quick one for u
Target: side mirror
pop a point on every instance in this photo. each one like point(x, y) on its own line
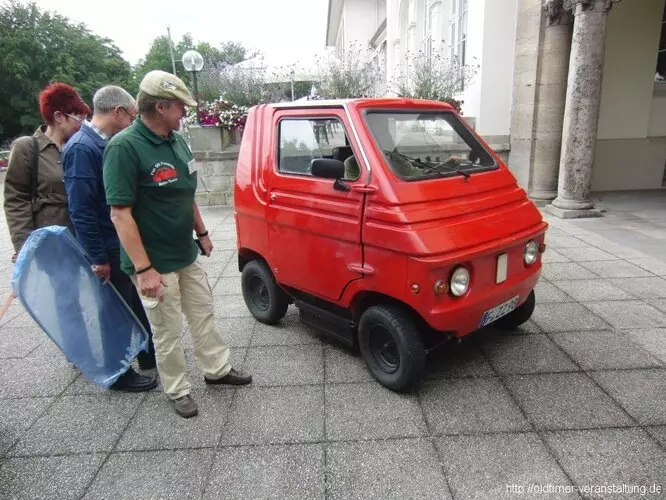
point(327, 168)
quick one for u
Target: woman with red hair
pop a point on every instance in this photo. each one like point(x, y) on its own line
point(34, 184)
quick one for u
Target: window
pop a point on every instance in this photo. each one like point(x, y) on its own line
point(427, 32)
point(421, 145)
point(381, 11)
point(661, 57)
point(304, 139)
point(430, 27)
point(458, 31)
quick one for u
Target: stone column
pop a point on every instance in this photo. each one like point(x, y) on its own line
point(550, 100)
point(543, 42)
point(581, 114)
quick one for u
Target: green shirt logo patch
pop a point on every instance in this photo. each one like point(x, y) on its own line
point(164, 173)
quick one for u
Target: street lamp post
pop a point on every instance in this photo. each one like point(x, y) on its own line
point(193, 61)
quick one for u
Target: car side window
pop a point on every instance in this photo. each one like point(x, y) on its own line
point(304, 139)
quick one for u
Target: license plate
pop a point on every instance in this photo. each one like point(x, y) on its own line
point(498, 311)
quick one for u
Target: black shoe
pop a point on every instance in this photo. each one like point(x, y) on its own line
point(131, 381)
point(185, 406)
point(231, 378)
point(146, 361)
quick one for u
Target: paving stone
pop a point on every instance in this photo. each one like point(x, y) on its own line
point(231, 306)
point(654, 266)
point(155, 474)
point(546, 293)
point(565, 401)
point(615, 269)
point(630, 314)
point(370, 411)
point(237, 332)
point(34, 377)
point(659, 433)
point(658, 303)
point(285, 472)
point(527, 354)
point(566, 318)
point(227, 286)
point(558, 271)
point(286, 365)
point(344, 365)
point(47, 478)
point(593, 290)
point(639, 392)
point(454, 361)
point(610, 458)
point(73, 424)
point(156, 426)
point(559, 242)
point(276, 415)
point(456, 406)
point(604, 350)
point(644, 288)
point(586, 254)
point(290, 331)
point(653, 341)
point(498, 466)
point(19, 342)
point(551, 256)
point(16, 416)
point(391, 469)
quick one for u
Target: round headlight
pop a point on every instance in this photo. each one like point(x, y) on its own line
point(531, 252)
point(459, 281)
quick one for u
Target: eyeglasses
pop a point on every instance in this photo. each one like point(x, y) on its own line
point(132, 116)
point(74, 117)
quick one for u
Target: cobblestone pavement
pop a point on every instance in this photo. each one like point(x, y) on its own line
point(575, 398)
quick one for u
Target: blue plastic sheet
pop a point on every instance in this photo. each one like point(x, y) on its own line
point(87, 319)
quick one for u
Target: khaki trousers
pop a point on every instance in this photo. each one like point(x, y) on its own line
point(187, 292)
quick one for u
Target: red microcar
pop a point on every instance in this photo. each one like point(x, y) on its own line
point(388, 222)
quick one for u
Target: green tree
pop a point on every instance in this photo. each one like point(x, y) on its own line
point(215, 59)
point(40, 47)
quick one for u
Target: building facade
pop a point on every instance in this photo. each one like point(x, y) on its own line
point(575, 86)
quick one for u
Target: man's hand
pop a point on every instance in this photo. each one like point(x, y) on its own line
point(151, 284)
point(102, 271)
point(207, 245)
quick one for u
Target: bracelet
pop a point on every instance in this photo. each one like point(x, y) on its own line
point(201, 235)
point(147, 268)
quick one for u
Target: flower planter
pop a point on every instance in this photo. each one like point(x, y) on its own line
point(213, 139)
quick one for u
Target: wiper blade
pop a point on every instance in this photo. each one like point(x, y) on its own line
point(424, 165)
point(415, 161)
point(451, 168)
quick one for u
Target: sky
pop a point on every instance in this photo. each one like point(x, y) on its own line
point(285, 31)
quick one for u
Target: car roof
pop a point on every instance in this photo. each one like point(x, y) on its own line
point(366, 102)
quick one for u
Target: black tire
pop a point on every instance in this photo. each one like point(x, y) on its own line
point(391, 345)
point(263, 297)
point(518, 316)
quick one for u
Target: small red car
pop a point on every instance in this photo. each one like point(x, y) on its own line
point(388, 222)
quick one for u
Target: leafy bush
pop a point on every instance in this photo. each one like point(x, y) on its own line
point(437, 78)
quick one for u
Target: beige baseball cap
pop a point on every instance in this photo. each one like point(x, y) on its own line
point(165, 85)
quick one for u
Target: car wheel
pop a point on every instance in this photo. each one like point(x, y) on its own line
point(518, 316)
point(264, 298)
point(392, 347)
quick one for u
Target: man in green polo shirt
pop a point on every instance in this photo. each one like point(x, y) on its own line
point(150, 181)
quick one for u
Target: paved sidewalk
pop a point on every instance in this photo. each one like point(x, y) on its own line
point(576, 397)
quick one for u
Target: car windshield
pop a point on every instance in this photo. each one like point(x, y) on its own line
point(426, 144)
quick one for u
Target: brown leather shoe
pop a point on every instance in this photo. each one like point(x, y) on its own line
point(232, 378)
point(185, 406)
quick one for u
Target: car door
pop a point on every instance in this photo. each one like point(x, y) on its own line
point(314, 228)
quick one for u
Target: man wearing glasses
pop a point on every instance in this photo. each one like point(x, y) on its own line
point(114, 109)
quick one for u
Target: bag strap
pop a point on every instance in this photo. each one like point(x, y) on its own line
point(35, 168)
